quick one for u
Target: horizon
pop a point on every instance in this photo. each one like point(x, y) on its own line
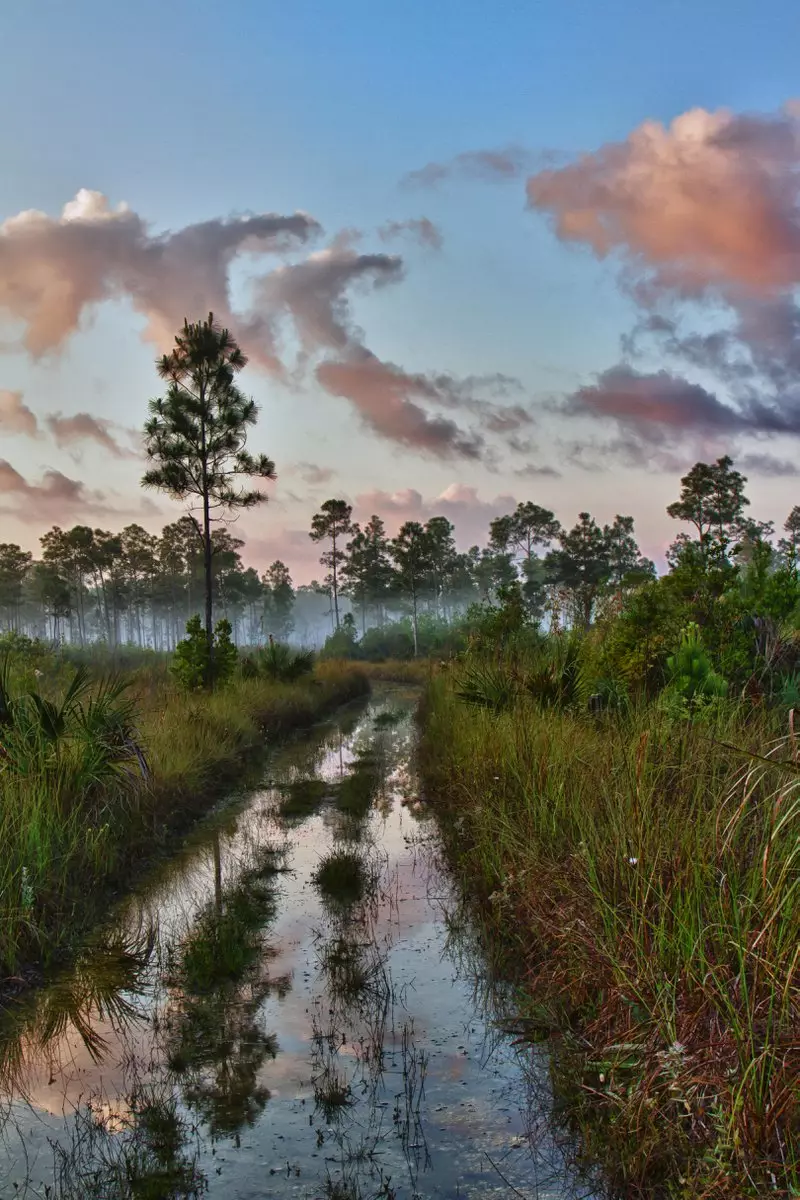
point(545, 284)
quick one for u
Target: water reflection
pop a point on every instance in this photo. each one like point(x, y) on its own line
point(282, 1003)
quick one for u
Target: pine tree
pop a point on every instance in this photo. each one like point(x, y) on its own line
point(196, 436)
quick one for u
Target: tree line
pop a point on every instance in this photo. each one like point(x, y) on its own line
point(136, 587)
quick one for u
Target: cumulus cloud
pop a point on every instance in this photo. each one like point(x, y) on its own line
point(54, 270)
point(707, 202)
point(703, 216)
point(421, 229)
point(15, 416)
point(501, 165)
point(83, 427)
point(392, 402)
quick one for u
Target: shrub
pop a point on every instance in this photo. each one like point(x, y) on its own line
point(190, 664)
point(691, 675)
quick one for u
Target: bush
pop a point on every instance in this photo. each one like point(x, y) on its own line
point(278, 662)
point(190, 664)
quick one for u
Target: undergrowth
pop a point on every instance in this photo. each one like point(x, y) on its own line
point(97, 778)
point(640, 867)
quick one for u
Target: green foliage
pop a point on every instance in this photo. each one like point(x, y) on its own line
point(226, 655)
point(278, 662)
point(190, 662)
point(691, 675)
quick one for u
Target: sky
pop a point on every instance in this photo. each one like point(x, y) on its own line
point(477, 253)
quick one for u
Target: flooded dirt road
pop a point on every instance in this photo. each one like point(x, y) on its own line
point(294, 1006)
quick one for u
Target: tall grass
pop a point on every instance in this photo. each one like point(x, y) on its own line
point(646, 871)
point(97, 778)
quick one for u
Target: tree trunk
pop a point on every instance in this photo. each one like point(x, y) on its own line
point(335, 583)
point(414, 622)
point(207, 569)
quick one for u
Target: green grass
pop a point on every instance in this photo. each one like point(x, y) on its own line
point(77, 826)
point(342, 877)
point(647, 877)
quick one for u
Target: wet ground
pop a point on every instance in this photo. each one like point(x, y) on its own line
point(294, 1006)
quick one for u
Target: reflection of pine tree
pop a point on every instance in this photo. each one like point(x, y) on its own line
point(216, 1044)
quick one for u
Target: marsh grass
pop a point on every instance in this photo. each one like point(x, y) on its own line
point(302, 798)
point(147, 1154)
point(642, 875)
point(343, 877)
point(100, 783)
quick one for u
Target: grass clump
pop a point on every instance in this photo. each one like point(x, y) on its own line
point(643, 865)
point(342, 877)
point(302, 798)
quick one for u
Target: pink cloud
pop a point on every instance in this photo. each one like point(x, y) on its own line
point(15, 416)
point(83, 427)
point(54, 270)
point(707, 202)
point(386, 399)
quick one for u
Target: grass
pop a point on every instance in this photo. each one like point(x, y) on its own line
point(415, 671)
point(342, 877)
point(646, 875)
point(78, 826)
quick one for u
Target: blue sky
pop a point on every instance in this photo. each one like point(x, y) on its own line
point(191, 112)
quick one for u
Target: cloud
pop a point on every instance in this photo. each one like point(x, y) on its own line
point(531, 471)
point(82, 427)
point(420, 228)
point(386, 397)
point(54, 270)
point(664, 408)
point(56, 497)
point(703, 216)
point(315, 291)
point(766, 464)
point(15, 416)
point(313, 474)
point(707, 202)
point(501, 165)
point(459, 502)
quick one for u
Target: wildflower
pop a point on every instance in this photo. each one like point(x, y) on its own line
point(633, 861)
point(37, 673)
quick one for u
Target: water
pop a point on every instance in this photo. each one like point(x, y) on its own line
point(294, 1006)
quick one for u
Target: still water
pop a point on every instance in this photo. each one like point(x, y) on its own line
point(294, 1006)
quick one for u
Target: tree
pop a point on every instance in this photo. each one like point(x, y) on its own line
point(789, 545)
point(14, 566)
point(279, 599)
point(332, 523)
point(443, 558)
point(625, 560)
point(411, 552)
point(581, 564)
point(197, 436)
point(712, 499)
point(519, 533)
